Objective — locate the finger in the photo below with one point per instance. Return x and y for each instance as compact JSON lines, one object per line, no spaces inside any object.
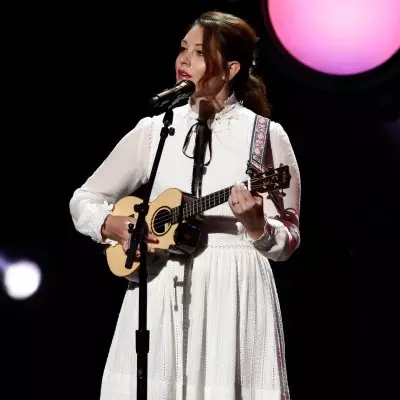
{"x":233,"y":199}
{"x":234,"y":194}
{"x":258,"y":198}
{"x":125,"y":246}
{"x":152,"y":238}
{"x":137,"y":255}
{"x":230,"y":202}
{"x":242,"y":198}
{"x":250,"y":198}
{"x":231,"y":205}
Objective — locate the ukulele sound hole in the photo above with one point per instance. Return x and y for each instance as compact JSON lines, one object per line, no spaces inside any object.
{"x":162,"y":221}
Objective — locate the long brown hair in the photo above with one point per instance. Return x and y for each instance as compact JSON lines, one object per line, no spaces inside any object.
{"x":235,"y":40}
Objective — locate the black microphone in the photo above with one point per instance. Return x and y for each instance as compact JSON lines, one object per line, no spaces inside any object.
{"x":182,"y":90}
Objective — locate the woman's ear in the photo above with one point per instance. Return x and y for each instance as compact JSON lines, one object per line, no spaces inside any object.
{"x":234,"y":68}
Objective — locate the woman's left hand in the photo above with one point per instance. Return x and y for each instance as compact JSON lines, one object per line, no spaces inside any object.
{"x":248,"y":209}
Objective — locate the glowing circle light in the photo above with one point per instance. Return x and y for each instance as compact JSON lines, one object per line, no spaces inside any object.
{"x":337,"y":37}
{"x":21,"y":279}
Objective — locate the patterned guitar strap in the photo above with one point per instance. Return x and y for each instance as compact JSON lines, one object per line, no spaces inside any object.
{"x":258,"y":146}
{"x":258,"y":154}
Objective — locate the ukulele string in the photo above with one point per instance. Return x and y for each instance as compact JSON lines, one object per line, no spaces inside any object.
{"x":159,"y":222}
{"x":168,"y":218}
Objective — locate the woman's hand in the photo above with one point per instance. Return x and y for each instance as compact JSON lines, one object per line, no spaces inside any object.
{"x":116,"y":227}
{"x":248,"y":209}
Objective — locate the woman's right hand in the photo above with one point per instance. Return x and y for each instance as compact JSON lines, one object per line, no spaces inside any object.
{"x":115,"y":227}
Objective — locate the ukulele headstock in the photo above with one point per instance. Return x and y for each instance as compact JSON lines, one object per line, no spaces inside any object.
{"x":272,"y":179}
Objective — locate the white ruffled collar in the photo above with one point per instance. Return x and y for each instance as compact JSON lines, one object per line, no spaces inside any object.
{"x":228,"y":111}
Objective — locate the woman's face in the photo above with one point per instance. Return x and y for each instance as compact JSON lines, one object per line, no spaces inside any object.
{"x":190,"y":63}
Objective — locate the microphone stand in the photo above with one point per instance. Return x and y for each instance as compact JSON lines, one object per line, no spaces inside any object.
{"x":203,"y":137}
{"x":139,"y":233}
{"x":199,"y":157}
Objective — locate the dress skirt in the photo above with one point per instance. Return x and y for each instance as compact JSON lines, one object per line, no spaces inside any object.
{"x":215,"y":329}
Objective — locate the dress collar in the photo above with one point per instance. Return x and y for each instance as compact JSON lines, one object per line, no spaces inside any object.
{"x":230,"y":104}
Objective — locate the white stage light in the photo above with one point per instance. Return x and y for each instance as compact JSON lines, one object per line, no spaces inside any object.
{"x":21,"y":279}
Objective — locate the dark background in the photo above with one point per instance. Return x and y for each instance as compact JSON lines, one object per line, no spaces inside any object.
{"x":75,"y":77}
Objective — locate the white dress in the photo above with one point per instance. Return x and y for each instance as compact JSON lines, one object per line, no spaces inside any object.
{"x":214,"y":320}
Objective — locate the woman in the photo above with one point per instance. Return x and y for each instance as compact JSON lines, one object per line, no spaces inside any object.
{"x":214,"y":318}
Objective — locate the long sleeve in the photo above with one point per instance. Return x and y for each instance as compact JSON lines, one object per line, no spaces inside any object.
{"x":124,"y":170}
{"x":281,"y":235}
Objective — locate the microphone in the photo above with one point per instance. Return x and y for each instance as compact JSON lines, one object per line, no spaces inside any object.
{"x":182,"y":90}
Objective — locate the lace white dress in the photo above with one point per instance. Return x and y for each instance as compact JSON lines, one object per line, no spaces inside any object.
{"x":214,"y":320}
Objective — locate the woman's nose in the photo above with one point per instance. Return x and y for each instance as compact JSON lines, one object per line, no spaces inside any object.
{"x":185,"y":59}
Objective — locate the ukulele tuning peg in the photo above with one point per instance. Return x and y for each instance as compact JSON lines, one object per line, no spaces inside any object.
{"x":249,"y":170}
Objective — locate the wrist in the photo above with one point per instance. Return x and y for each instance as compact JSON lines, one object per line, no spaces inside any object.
{"x":256,"y":230}
{"x":255,"y":234}
{"x":104,"y":230}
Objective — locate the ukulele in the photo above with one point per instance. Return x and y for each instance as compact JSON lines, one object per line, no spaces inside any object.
{"x":173,"y":216}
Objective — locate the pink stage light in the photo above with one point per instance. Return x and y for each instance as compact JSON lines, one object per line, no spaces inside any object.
{"x":338,"y":37}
